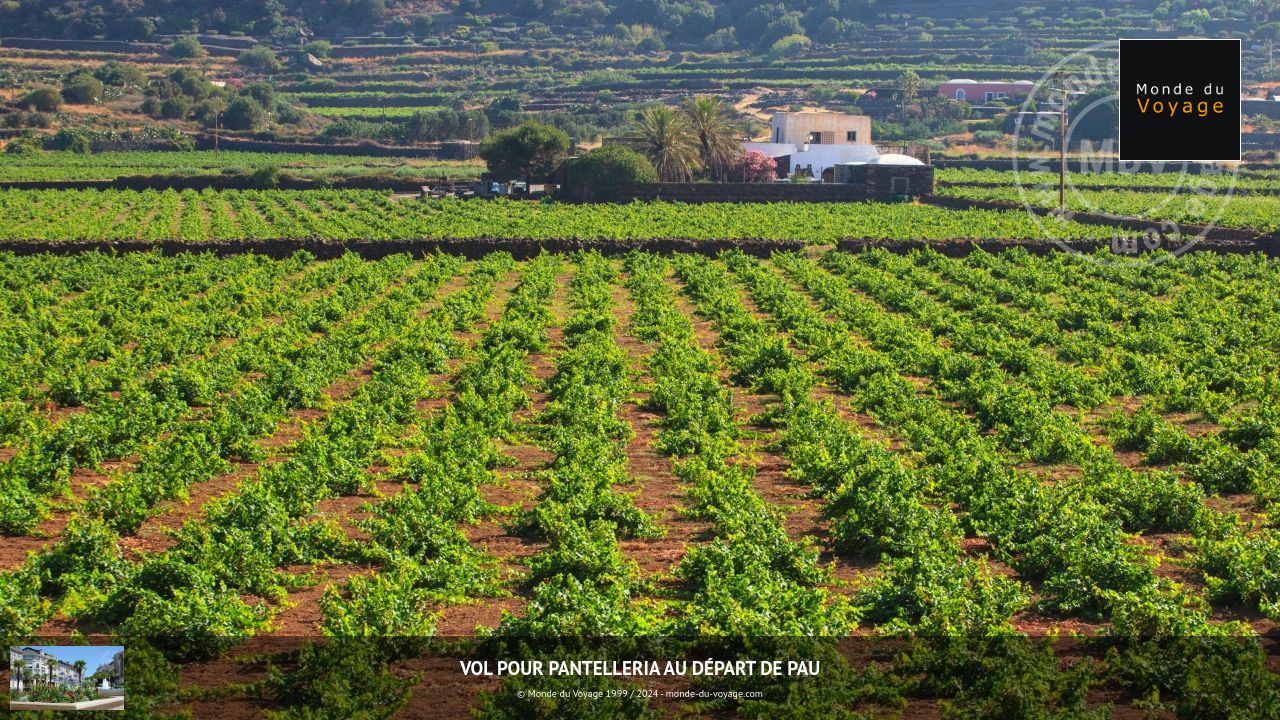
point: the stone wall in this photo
(878, 181)
(454, 150)
(1074, 165)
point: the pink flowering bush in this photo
(756, 167)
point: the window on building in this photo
(990, 96)
(900, 186)
(960, 94)
(815, 138)
(851, 135)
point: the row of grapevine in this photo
(92, 215)
(751, 579)
(151, 406)
(85, 572)
(581, 586)
(1066, 541)
(1209, 205)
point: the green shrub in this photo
(605, 173)
(244, 113)
(82, 90)
(23, 146)
(186, 47)
(43, 99)
(175, 108)
(260, 58)
(120, 74)
(73, 140)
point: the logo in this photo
(1154, 196)
(1180, 100)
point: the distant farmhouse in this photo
(837, 148)
(974, 91)
(815, 142)
(819, 157)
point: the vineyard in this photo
(1210, 203)
(205, 216)
(63, 166)
(213, 459)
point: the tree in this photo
(175, 108)
(244, 113)
(605, 173)
(263, 92)
(830, 30)
(664, 136)
(20, 672)
(319, 48)
(907, 84)
(723, 39)
(185, 81)
(788, 45)
(209, 111)
(529, 150)
(368, 11)
(1271, 34)
(79, 666)
(651, 44)
(120, 74)
(756, 167)
(1094, 116)
(82, 90)
(23, 146)
(186, 47)
(74, 140)
(43, 99)
(261, 58)
(136, 28)
(716, 135)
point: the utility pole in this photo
(1062, 143)
(217, 116)
(1062, 157)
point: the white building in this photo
(37, 665)
(816, 141)
(113, 671)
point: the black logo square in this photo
(1180, 100)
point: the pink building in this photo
(974, 91)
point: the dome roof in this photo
(895, 159)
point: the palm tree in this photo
(19, 671)
(79, 666)
(664, 136)
(50, 664)
(714, 131)
(908, 85)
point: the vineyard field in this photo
(205, 455)
(1210, 205)
(67, 166)
(204, 216)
